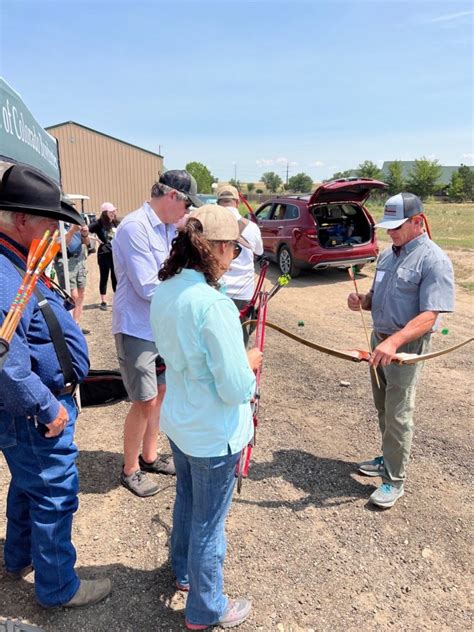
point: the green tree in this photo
(250, 187)
(340, 174)
(202, 175)
(467, 175)
(259, 191)
(272, 181)
(423, 178)
(235, 183)
(456, 187)
(301, 183)
(394, 179)
(369, 169)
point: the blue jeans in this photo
(204, 489)
(42, 499)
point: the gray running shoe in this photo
(386, 495)
(158, 466)
(375, 467)
(139, 484)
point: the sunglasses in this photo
(68, 301)
(188, 204)
(237, 249)
(401, 225)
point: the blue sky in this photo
(248, 87)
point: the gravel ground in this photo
(303, 542)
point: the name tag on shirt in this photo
(379, 276)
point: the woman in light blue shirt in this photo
(206, 410)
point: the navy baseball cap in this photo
(398, 209)
(182, 181)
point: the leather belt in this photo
(382, 336)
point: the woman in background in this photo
(206, 411)
(105, 228)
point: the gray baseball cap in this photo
(182, 181)
(398, 209)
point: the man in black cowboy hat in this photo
(37, 408)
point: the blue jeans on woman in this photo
(204, 489)
(42, 499)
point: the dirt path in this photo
(303, 542)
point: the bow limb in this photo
(354, 356)
(413, 358)
(245, 311)
(242, 467)
(357, 355)
(245, 202)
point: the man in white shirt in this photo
(142, 243)
(239, 280)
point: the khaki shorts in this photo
(77, 272)
(137, 365)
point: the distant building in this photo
(105, 168)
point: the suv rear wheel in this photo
(286, 262)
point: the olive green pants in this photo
(395, 403)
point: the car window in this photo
(264, 212)
(292, 212)
(349, 209)
(279, 212)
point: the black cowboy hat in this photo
(24, 189)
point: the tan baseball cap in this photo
(227, 192)
(219, 224)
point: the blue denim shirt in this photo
(419, 279)
(209, 383)
(31, 371)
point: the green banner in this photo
(22, 139)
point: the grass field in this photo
(452, 225)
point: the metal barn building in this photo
(104, 168)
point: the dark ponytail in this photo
(189, 249)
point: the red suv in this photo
(329, 229)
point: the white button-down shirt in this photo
(141, 245)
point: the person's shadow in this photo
(99, 472)
(326, 482)
(140, 600)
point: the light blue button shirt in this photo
(140, 246)
(419, 279)
(209, 383)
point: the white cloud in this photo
(468, 156)
(452, 16)
(268, 162)
(317, 163)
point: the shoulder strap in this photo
(57, 337)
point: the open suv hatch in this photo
(329, 229)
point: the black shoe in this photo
(158, 466)
(103, 306)
(86, 332)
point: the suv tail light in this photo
(310, 233)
